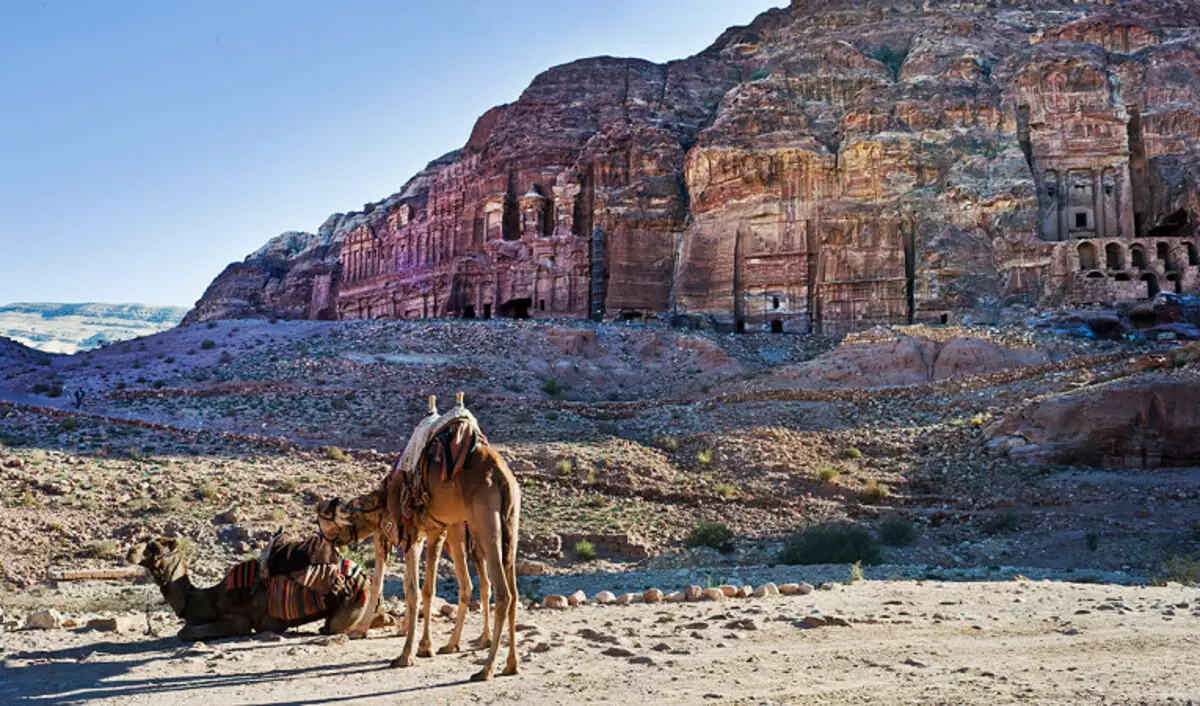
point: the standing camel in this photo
(348, 522)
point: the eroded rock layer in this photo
(828, 167)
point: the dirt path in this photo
(905, 642)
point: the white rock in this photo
(577, 598)
(652, 595)
(714, 594)
(729, 591)
(789, 589)
(675, 597)
(805, 588)
(605, 598)
(44, 620)
(745, 592)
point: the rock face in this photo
(1149, 421)
(828, 167)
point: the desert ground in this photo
(1015, 580)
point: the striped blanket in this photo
(290, 601)
(439, 444)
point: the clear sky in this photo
(145, 144)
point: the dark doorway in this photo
(516, 308)
(541, 305)
(1081, 220)
(1137, 256)
(1151, 284)
(469, 312)
(776, 326)
(775, 302)
(739, 325)
(487, 310)
(1112, 256)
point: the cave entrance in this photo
(776, 326)
(487, 310)
(1151, 281)
(739, 325)
(469, 312)
(516, 308)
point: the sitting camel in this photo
(294, 583)
(447, 478)
(348, 522)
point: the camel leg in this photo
(226, 627)
(455, 538)
(411, 586)
(486, 530)
(382, 549)
(509, 577)
(485, 597)
(433, 554)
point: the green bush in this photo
(710, 534)
(552, 387)
(208, 344)
(897, 531)
(1002, 522)
(585, 550)
(830, 543)
(1178, 569)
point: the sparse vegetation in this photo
(668, 443)
(102, 549)
(726, 490)
(585, 550)
(830, 543)
(68, 423)
(856, 572)
(1091, 539)
(334, 453)
(1178, 569)
(208, 491)
(564, 466)
(710, 534)
(853, 453)
(1002, 522)
(828, 475)
(704, 457)
(897, 531)
(876, 492)
(208, 344)
(552, 387)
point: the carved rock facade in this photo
(829, 167)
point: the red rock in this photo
(829, 167)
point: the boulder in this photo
(605, 598)
(555, 602)
(47, 619)
(652, 595)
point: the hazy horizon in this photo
(147, 145)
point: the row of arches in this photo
(1115, 257)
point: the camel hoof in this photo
(402, 661)
(424, 652)
(482, 675)
(483, 642)
(448, 650)
(510, 671)
(358, 635)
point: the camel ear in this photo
(169, 543)
(135, 554)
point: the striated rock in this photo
(1148, 421)
(830, 166)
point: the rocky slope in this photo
(67, 328)
(830, 166)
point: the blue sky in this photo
(145, 144)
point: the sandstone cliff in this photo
(830, 166)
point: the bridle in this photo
(331, 517)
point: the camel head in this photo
(160, 556)
(345, 522)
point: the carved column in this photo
(1097, 203)
(1064, 220)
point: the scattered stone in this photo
(714, 594)
(694, 593)
(743, 624)
(121, 624)
(605, 598)
(652, 595)
(541, 647)
(597, 636)
(229, 517)
(675, 597)
(789, 589)
(266, 637)
(618, 652)
(330, 640)
(661, 647)
(628, 598)
(699, 625)
(828, 586)
(577, 598)
(642, 660)
(767, 590)
(448, 610)
(914, 663)
(530, 567)
(526, 627)
(555, 602)
(49, 619)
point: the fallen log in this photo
(122, 574)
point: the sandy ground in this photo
(904, 642)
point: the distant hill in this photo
(67, 328)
